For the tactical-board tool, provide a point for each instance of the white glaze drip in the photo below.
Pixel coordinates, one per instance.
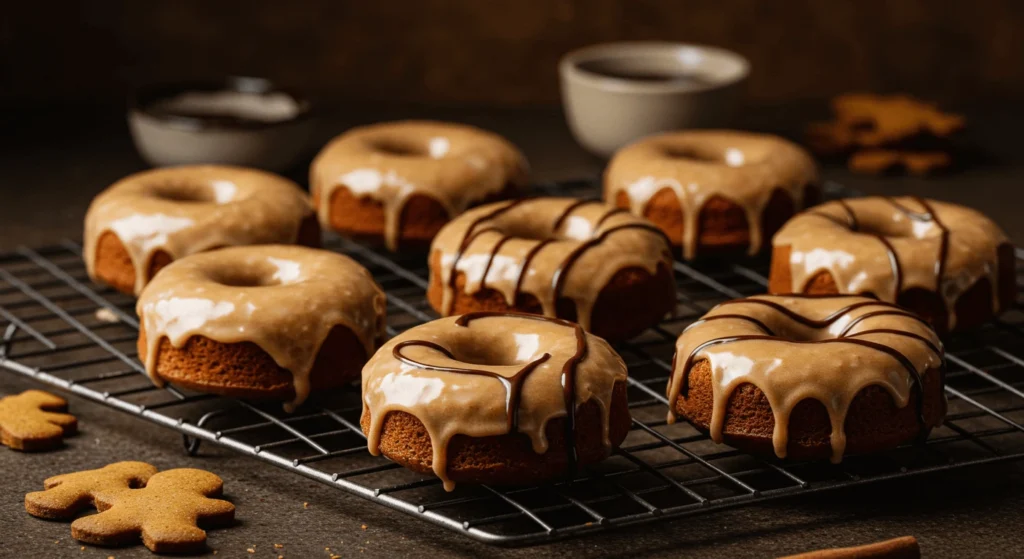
(185, 210)
(697, 166)
(455, 165)
(284, 299)
(822, 360)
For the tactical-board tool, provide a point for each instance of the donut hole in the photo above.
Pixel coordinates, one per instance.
(243, 278)
(495, 349)
(265, 273)
(533, 230)
(889, 229)
(729, 156)
(184, 192)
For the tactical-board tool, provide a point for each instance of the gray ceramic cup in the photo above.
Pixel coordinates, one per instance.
(241, 121)
(616, 93)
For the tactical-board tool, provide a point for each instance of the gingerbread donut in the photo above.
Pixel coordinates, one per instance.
(146, 220)
(809, 377)
(272, 321)
(713, 191)
(581, 260)
(948, 263)
(402, 181)
(495, 398)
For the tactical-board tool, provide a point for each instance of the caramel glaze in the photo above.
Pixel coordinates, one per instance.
(548, 247)
(189, 209)
(578, 368)
(920, 241)
(284, 299)
(455, 165)
(787, 346)
(699, 165)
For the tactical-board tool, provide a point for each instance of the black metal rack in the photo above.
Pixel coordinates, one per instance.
(63, 331)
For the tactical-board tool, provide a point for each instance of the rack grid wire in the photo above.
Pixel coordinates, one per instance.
(63, 331)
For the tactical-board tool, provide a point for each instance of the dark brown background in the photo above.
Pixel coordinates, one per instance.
(503, 52)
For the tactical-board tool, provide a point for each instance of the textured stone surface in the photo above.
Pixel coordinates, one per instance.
(47, 180)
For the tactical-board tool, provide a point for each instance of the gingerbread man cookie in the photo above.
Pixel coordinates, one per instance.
(877, 120)
(34, 420)
(67, 495)
(165, 512)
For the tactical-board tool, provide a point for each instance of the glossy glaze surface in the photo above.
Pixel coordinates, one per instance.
(453, 164)
(799, 347)
(887, 245)
(550, 248)
(285, 299)
(485, 374)
(698, 165)
(190, 209)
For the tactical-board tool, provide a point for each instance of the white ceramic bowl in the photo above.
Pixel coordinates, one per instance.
(238, 121)
(616, 93)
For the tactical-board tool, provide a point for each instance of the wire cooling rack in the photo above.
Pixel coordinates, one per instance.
(63, 331)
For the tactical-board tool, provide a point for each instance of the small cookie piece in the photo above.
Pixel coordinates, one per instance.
(67, 495)
(880, 161)
(34, 420)
(165, 513)
(879, 120)
(897, 548)
(829, 138)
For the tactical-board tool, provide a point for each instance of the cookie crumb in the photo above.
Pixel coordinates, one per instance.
(251, 550)
(103, 314)
(278, 545)
(305, 505)
(364, 526)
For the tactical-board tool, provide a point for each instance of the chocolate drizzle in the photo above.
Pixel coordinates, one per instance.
(556, 266)
(568, 377)
(679, 383)
(513, 385)
(911, 265)
(548, 375)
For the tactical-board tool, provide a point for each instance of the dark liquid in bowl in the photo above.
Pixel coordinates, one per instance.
(681, 79)
(610, 70)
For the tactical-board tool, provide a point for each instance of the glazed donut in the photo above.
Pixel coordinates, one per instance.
(579, 260)
(948, 263)
(713, 191)
(268, 322)
(809, 377)
(402, 181)
(495, 398)
(146, 220)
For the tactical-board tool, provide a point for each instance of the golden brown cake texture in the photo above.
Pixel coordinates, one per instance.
(271, 321)
(495, 398)
(145, 221)
(948, 263)
(580, 260)
(400, 182)
(806, 377)
(713, 190)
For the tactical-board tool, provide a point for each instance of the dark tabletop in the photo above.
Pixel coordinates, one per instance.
(53, 162)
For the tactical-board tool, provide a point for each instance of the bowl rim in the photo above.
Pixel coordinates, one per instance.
(569, 67)
(140, 101)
